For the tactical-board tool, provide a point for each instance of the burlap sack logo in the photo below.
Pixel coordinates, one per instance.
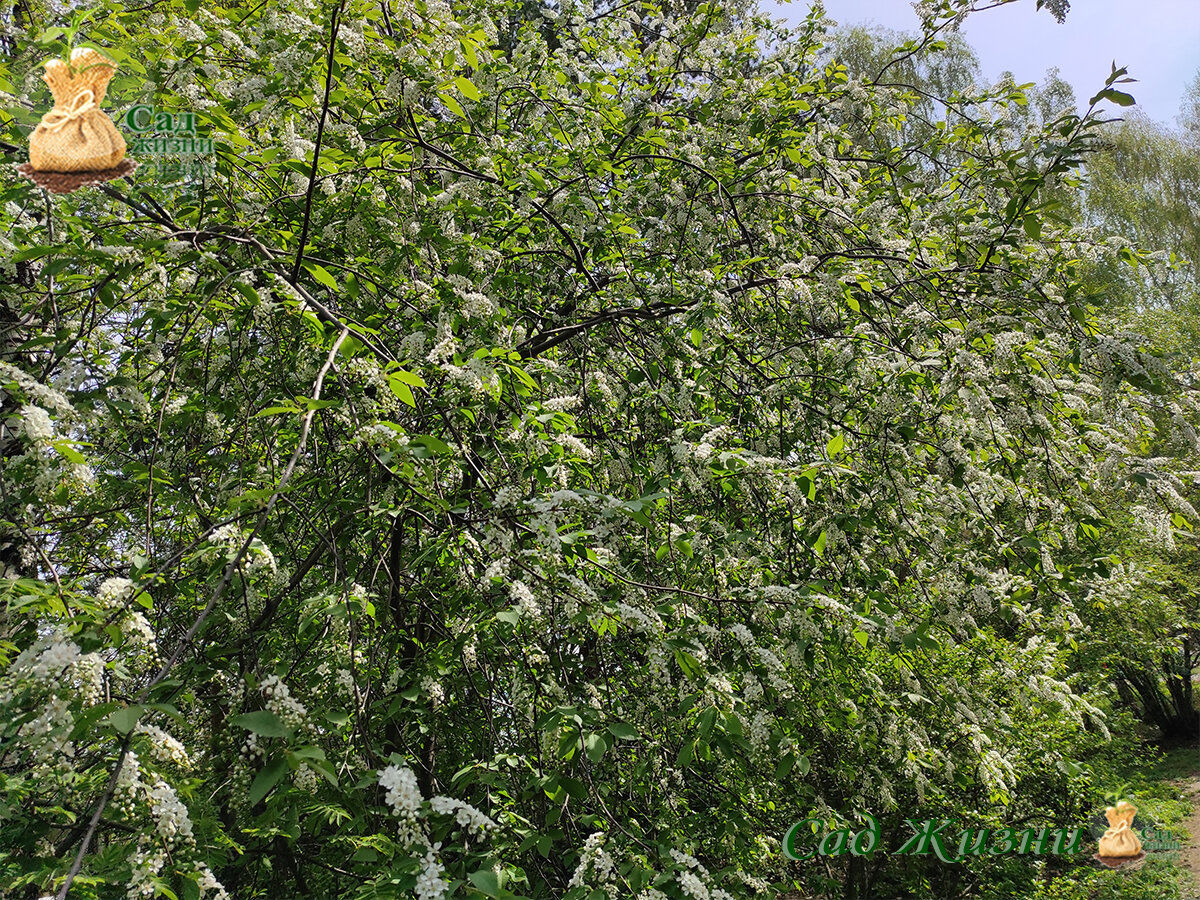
(76, 143)
(1120, 844)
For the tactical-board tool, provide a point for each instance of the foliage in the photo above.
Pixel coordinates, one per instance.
(545, 467)
(1147, 618)
(1141, 188)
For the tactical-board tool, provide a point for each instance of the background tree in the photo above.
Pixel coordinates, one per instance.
(1137, 195)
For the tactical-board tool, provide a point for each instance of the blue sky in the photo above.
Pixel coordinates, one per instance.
(1158, 40)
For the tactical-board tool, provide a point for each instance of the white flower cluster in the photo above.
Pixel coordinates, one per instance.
(378, 435)
(172, 824)
(433, 688)
(524, 601)
(36, 424)
(464, 813)
(250, 750)
(146, 866)
(114, 592)
(470, 653)
(208, 882)
(60, 655)
(403, 795)
(693, 879)
(129, 784)
(281, 702)
(229, 538)
(296, 146)
(594, 857)
(261, 558)
(692, 885)
(165, 747)
(189, 30)
(431, 885)
(170, 815)
(47, 398)
(55, 666)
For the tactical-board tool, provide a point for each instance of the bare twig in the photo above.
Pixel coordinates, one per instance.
(334, 25)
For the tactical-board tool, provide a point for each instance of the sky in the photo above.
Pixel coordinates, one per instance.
(1157, 40)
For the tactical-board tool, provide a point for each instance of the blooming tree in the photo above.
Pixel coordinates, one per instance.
(559, 449)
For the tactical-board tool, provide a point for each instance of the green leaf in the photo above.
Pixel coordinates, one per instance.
(688, 663)
(86, 720)
(1070, 767)
(311, 403)
(468, 47)
(124, 719)
(452, 104)
(835, 445)
(169, 710)
(321, 275)
(267, 779)
(819, 546)
(1033, 227)
(407, 377)
(486, 881)
(623, 731)
(310, 752)
(595, 745)
(467, 89)
(1118, 97)
(685, 754)
(429, 442)
(785, 767)
(69, 453)
(323, 766)
(568, 743)
(522, 376)
(263, 722)
(403, 391)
